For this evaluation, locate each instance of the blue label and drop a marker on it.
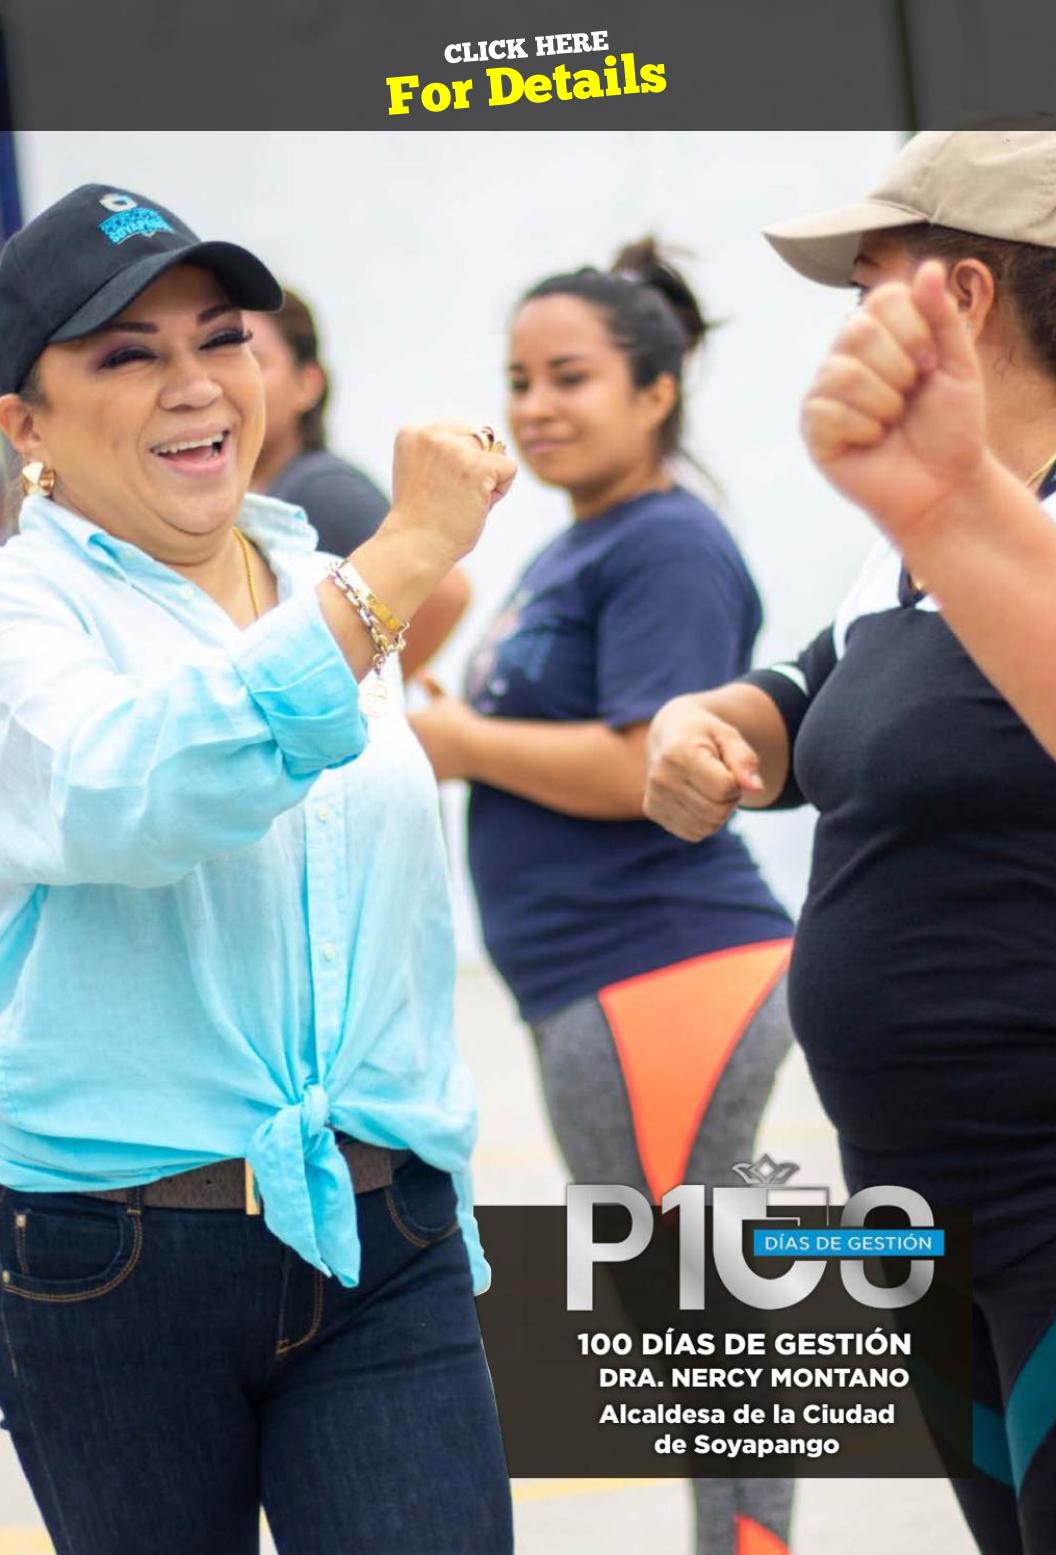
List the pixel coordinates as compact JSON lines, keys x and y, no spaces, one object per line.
{"x":138,"y":222}
{"x":850,"y":1242}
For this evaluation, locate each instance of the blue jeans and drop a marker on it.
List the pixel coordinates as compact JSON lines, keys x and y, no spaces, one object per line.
{"x":165,"y":1373}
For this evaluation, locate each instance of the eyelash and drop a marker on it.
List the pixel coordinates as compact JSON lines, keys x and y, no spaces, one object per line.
{"x":570,"y":382}
{"x":226,"y":337}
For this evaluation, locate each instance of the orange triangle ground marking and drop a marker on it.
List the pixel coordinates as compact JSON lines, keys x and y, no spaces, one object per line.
{"x":754,"y":1539}
{"x":674,"y":1031}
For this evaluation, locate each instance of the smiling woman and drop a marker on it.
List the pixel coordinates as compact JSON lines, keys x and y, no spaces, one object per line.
{"x":225,"y":958}
{"x":652,"y":976}
{"x":168,"y":419}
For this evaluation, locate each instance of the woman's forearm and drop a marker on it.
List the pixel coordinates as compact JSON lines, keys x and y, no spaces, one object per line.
{"x":402,"y":575}
{"x":590,"y":770}
{"x":582,"y":769}
{"x":988,"y":555}
{"x":445,"y":483}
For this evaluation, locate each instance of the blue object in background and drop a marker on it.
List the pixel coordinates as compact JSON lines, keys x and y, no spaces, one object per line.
{"x":10,"y":221}
{"x":10,"y":198}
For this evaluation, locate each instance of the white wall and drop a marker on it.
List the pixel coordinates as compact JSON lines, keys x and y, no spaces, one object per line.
{"x":413,"y":248}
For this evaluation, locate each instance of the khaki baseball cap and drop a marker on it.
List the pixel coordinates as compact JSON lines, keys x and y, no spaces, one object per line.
{"x":997,"y":183}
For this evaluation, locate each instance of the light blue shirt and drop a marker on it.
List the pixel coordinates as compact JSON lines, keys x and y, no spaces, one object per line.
{"x":224,"y":920}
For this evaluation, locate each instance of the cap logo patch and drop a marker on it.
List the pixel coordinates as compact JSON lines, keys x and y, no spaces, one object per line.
{"x":118,"y":202}
{"x":140,"y":221}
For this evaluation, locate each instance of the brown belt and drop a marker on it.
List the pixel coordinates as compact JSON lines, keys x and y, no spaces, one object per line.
{"x":225,"y":1184}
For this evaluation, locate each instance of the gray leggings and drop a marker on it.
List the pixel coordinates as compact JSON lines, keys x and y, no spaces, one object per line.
{"x":591,"y":1117}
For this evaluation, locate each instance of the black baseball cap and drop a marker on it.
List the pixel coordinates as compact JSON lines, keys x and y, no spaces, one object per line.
{"x":81,"y":262}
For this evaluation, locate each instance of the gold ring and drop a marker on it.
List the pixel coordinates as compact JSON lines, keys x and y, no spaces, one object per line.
{"x":498,"y":447}
{"x":485,"y":436}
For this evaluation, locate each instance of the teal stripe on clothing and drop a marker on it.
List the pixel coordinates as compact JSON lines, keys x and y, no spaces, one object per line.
{"x":990,"y":1444}
{"x":1030,"y":1413}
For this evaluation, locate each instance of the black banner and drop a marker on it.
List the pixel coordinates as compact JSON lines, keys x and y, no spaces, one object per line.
{"x":553,"y":64}
{"x":639,"y":1386}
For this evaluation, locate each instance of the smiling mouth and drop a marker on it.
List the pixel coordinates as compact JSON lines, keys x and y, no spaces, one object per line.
{"x":544,"y":444}
{"x":193,"y":453}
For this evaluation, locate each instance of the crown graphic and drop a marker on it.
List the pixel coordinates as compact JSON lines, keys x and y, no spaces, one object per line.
{"x":766,"y":1172}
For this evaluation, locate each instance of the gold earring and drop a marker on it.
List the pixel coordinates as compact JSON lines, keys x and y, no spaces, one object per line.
{"x":37,"y":481}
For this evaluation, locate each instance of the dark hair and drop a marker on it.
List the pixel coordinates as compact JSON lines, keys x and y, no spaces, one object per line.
{"x":651,"y":315}
{"x":296,"y":325}
{"x":29,"y":389}
{"x":10,"y":478}
{"x":1024,"y":275}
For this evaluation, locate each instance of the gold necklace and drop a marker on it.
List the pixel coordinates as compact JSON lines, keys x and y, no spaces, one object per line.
{"x":244,"y":543}
{"x":1033,"y":482}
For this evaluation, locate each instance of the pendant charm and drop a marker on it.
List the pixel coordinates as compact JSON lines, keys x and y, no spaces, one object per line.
{"x":373,"y":695}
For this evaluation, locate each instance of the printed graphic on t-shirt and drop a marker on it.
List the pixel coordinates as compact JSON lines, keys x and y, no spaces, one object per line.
{"x":511,"y":645}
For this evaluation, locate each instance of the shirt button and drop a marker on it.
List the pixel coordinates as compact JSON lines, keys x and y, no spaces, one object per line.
{"x":186,"y":590}
{"x":329,"y":952}
{"x":323,"y":812}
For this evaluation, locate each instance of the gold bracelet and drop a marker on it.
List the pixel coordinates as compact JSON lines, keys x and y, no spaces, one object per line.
{"x":344,"y":574}
{"x":362,"y":602}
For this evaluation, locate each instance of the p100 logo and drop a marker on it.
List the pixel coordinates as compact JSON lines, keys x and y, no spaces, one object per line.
{"x":764,"y":1198}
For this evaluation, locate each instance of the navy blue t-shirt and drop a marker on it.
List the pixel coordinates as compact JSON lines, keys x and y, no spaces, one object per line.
{"x":343,"y":505}
{"x":613,"y":618}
